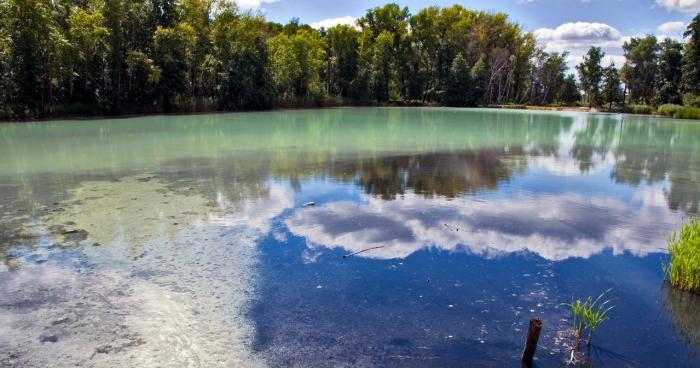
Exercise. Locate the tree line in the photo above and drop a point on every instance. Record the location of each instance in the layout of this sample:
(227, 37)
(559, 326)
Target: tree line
(654, 73)
(124, 56)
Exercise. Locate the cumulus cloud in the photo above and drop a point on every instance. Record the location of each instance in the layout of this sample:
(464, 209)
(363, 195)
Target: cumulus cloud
(253, 4)
(578, 37)
(688, 6)
(672, 27)
(331, 22)
(561, 226)
(579, 34)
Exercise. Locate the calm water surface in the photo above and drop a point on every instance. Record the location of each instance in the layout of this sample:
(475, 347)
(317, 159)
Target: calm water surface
(435, 235)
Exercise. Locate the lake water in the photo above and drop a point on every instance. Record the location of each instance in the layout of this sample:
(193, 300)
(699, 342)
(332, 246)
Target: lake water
(434, 235)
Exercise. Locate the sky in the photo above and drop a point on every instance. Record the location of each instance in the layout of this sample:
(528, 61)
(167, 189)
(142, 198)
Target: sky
(571, 25)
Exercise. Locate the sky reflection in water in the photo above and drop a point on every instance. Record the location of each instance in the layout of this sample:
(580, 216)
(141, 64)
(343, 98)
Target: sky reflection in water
(478, 220)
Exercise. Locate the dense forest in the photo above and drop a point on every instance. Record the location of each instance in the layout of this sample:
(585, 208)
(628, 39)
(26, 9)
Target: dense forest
(62, 57)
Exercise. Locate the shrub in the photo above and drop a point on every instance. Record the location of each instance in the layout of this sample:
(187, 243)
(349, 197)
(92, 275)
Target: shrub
(638, 109)
(691, 100)
(669, 109)
(683, 270)
(687, 113)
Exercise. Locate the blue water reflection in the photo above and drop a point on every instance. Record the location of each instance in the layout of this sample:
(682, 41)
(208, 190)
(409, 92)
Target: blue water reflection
(432, 237)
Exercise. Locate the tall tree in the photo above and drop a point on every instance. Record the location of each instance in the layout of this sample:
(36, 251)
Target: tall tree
(390, 22)
(164, 13)
(590, 74)
(381, 66)
(691, 60)
(172, 54)
(458, 93)
(344, 42)
(547, 77)
(612, 88)
(114, 17)
(241, 62)
(570, 91)
(670, 73)
(88, 47)
(33, 38)
(365, 55)
(640, 70)
(197, 15)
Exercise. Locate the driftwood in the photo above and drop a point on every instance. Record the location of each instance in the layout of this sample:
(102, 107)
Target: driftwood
(362, 251)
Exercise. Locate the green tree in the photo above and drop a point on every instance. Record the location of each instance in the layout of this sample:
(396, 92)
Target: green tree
(591, 74)
(640, 70)
(691, 59)
(670, 73)
(164, 13)
(547, 77)
(390, 22)
(296, 64)
(33, 40)
(344, 43)
(458, 88)
(381, 66)
(114, 18)
(240, 64)
(365, 55)
(570, 90)
(478, 75)
(171, 54)
(612, 88)
(143, 78)
(197, 15)
(88, 48)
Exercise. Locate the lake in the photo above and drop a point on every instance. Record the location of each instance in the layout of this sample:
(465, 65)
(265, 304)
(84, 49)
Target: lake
(364, 237)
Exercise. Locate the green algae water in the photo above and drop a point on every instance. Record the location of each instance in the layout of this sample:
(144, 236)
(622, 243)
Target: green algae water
(364, 237)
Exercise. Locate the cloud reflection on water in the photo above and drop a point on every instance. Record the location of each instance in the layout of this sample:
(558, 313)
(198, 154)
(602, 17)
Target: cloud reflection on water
(556, 227)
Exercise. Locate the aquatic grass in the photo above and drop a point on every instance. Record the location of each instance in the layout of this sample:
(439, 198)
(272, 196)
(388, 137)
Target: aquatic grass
(577, 315)
(679, 112)
(683, 269)
(590, 314)
(596, 313)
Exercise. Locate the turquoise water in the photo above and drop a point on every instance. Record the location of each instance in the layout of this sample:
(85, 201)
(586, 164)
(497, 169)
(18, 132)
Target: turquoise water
(343, 237)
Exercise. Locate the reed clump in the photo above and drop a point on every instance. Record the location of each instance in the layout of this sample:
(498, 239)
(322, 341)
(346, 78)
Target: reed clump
(679, 112)
(589, 314)
(683, 268)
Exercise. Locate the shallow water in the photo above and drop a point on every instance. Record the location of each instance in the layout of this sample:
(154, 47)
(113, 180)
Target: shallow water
(435, 234)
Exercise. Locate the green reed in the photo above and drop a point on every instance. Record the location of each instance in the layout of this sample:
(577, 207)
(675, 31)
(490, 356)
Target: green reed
(683, 269)
(588, 315)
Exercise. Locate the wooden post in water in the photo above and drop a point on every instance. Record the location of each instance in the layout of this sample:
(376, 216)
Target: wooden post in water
(533, 336)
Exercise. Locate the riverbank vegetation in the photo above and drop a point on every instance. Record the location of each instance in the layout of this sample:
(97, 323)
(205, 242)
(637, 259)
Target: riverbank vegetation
(683, 270)
(116, 56)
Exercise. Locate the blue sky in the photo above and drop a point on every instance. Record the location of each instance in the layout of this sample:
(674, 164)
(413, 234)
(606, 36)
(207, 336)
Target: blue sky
(572, 25)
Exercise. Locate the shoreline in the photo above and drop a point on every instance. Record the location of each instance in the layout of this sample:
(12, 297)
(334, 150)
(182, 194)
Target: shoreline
(78, 117)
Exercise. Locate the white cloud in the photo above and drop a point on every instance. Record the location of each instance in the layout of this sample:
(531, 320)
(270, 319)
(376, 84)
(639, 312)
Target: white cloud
(331, 22)
(578, 37)
(579, 34)
(253, 4)
(672, 27)
(688, 6)
(556, 227)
